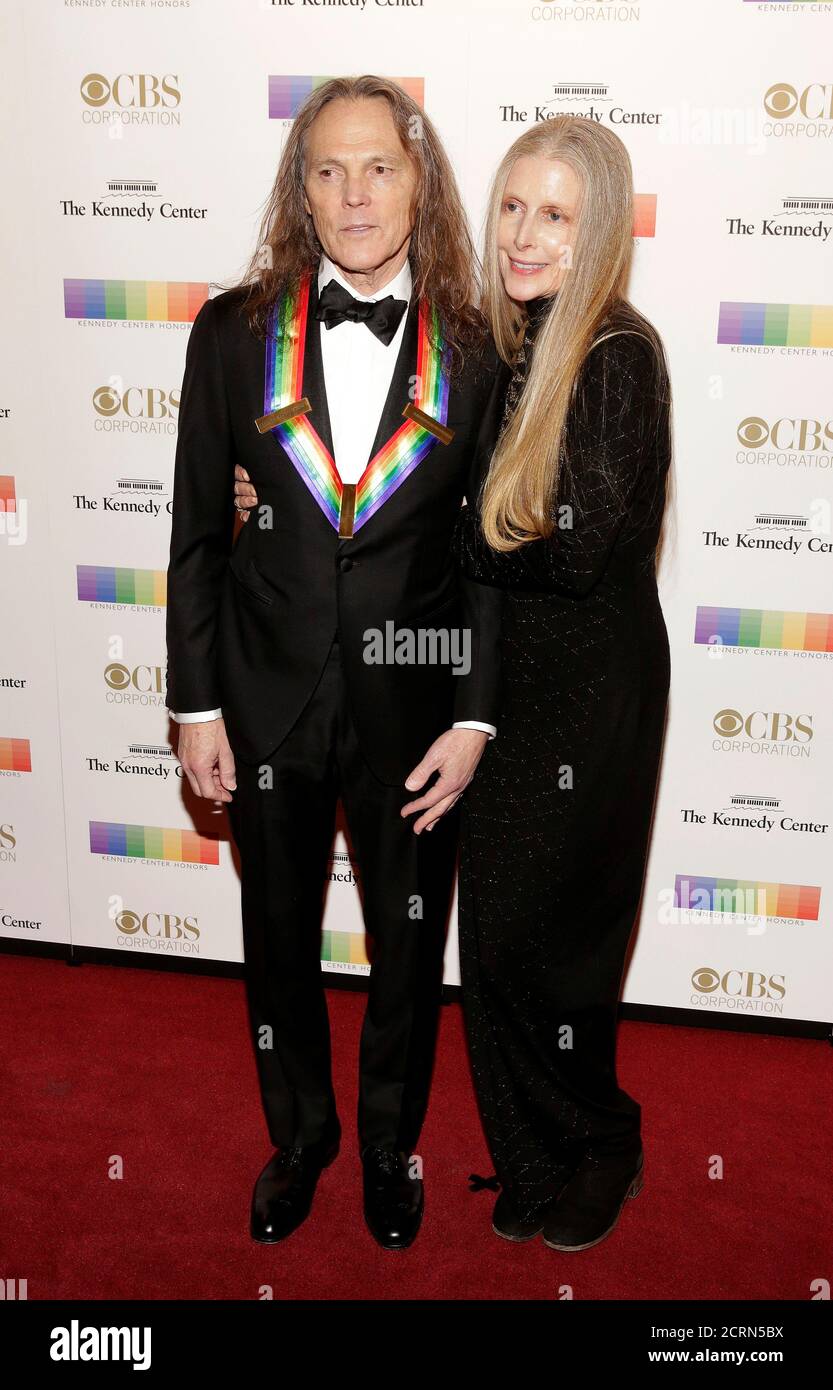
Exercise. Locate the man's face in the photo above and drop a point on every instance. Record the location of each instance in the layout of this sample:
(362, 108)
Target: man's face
(359, 185)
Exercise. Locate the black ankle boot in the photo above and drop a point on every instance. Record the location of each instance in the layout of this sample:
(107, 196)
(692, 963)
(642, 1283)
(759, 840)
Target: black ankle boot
(506, 1221)
(589, 1206)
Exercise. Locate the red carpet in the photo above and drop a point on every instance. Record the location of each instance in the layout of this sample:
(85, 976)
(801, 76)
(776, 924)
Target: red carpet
(156, 1070)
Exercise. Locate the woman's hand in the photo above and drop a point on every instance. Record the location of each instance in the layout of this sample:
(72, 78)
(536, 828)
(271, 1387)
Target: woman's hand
(245, 496)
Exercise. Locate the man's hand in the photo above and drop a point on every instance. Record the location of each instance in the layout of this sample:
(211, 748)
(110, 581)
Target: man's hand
(455, 754)
(245, 496)
(207, 759)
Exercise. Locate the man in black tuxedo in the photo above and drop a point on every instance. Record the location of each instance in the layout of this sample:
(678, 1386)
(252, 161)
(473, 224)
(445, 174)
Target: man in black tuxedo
(270, 673)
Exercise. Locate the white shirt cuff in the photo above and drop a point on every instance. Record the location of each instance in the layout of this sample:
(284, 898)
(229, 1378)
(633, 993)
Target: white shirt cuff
(200, 717)
(475, 724)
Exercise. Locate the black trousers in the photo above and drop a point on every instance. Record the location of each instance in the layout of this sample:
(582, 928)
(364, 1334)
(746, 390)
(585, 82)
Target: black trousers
(283, 819)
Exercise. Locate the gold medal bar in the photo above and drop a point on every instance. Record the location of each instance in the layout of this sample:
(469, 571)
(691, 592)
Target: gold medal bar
(277, 417)
(347, 511)
(427, 422)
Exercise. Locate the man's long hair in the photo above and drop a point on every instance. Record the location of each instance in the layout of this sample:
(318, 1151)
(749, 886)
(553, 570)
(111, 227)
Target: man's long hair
(530, 458)
(443, 261)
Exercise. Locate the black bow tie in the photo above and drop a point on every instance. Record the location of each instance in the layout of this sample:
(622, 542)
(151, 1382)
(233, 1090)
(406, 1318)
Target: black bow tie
(382, 316)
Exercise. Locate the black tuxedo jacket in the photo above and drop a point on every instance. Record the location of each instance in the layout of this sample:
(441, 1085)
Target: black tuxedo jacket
(250, 623)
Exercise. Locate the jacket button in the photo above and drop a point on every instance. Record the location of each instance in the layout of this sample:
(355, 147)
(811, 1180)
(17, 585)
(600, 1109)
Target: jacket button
(345, 564)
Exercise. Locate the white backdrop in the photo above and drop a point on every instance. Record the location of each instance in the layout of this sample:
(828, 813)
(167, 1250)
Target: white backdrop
(139, 143)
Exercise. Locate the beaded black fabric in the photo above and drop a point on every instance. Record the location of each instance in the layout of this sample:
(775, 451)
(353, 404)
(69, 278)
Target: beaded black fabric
(537, 310)
(555, 823)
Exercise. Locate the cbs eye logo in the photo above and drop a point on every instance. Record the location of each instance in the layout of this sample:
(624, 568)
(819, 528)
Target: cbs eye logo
(106, 401)
(753, 432)
(117, 676)
(95, 89)
(706, 980)
(728, 722)
(128, 921)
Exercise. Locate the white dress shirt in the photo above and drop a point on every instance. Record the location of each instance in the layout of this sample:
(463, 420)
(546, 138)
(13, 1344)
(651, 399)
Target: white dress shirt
(351, 353)
(353, 357)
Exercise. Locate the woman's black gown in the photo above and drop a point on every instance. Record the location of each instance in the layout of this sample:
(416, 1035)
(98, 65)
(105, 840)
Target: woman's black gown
(555, 823)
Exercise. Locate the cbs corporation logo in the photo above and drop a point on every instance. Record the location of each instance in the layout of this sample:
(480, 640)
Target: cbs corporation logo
(801, 435)
(749, 985)
(165, 925)
(762, 733)
(136, 402)
(143, 90)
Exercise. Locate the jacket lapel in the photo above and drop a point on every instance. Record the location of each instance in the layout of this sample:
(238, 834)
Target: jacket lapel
(314, 386)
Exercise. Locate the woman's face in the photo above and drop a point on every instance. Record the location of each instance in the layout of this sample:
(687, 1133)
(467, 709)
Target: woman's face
(537, 226)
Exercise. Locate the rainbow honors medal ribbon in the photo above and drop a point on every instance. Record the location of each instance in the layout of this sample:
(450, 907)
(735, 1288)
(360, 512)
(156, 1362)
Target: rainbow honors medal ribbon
(347, 506)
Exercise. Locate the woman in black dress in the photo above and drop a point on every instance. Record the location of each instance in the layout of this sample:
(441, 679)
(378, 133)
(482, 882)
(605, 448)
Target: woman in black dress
(555, 824)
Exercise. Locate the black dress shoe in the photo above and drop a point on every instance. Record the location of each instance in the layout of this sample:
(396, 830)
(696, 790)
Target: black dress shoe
(589, 1206)
(284, 1191)
(393, 1200)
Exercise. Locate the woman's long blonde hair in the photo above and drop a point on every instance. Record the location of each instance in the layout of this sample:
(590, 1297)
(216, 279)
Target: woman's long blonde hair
(530, 460)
